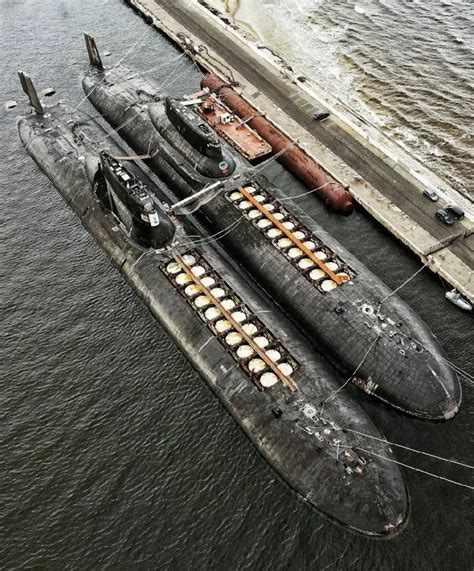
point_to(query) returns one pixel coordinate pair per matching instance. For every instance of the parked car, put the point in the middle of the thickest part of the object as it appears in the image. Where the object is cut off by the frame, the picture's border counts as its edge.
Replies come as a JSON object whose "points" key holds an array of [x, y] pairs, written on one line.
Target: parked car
{"points": [[456, 211], [445, 216], [320, 115], [431, 194]]}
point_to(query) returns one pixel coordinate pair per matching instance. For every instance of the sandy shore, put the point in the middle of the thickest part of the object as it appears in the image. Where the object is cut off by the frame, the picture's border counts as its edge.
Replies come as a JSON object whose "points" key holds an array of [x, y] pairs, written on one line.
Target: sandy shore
{"points": [[247, 15]]}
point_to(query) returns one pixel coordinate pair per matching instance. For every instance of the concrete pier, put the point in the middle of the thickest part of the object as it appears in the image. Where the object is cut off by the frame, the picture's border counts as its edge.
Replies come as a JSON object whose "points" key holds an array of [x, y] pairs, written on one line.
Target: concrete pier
{"points": [[383, 177]]}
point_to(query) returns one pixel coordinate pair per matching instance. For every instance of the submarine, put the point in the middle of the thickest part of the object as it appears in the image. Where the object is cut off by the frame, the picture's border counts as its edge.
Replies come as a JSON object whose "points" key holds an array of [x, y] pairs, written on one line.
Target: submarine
{"points": [[255, 361], [371, 335]]}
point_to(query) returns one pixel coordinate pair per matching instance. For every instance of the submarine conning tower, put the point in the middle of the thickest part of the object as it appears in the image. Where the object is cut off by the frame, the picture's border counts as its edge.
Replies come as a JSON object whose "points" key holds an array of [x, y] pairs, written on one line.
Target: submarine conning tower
{"points": [[186, 132], [193, 129], [130, 200]]}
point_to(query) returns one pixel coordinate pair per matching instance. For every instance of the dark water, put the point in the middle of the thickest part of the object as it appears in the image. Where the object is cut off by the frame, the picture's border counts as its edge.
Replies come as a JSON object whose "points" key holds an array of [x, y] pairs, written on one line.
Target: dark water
{"points": [[113, 453]]}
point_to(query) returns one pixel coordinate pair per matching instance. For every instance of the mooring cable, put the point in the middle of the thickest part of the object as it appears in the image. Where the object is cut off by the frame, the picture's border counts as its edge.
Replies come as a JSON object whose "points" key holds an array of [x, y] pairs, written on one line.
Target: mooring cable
{"points": [[456, 368], [404, 283], [166, 63], [269, 161], [289, 198], [349, 379], [213, 238], [416, 469], [384, 440]]}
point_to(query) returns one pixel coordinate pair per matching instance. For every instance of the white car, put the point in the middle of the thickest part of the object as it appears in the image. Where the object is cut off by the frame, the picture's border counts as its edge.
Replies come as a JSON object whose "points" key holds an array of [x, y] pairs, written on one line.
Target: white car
{"points": [[431, 194]]}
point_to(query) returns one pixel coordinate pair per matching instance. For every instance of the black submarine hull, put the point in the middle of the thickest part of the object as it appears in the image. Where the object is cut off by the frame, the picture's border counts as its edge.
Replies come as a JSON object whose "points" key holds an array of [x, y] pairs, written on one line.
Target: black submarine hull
{"points": [[303, 447], [395, 356]]}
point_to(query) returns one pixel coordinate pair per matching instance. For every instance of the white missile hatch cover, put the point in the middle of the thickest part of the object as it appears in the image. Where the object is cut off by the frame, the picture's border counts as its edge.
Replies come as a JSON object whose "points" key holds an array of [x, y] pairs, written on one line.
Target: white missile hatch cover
{"points": [[239, 330], [272, 220]]}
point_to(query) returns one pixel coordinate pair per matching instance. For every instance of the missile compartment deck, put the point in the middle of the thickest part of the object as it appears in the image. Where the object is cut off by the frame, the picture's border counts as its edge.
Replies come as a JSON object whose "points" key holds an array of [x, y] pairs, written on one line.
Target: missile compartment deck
{"points": [[396, 357], [315, 453]]}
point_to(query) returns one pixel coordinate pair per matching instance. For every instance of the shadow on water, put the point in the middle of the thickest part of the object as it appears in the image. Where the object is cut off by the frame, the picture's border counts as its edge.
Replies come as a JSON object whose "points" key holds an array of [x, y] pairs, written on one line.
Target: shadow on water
{"points": [[112, 450]]}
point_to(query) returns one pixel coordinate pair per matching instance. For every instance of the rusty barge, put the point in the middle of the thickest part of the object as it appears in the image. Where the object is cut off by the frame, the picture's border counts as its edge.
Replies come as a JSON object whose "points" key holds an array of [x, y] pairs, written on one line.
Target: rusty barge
{"points": [[292, 157]]}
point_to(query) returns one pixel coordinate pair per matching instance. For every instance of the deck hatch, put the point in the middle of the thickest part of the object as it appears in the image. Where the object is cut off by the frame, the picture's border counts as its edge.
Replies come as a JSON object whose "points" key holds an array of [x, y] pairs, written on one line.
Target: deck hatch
{"points": [[262, 356], [316, 261]]}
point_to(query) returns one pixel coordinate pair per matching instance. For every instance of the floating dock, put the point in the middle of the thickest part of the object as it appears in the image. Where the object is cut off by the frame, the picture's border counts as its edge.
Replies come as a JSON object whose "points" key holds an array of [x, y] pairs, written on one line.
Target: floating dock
{"points": [[382, 177]]}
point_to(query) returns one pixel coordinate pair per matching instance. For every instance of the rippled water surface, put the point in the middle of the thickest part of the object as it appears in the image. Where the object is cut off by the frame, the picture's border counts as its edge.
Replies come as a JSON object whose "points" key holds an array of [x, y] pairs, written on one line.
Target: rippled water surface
{"points": [[406, 65], [113, 452]]}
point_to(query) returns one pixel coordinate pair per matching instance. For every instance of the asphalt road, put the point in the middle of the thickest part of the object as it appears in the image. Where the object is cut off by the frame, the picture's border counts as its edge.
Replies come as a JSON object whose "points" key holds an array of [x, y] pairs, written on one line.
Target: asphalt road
{"points": [[361, 159]]}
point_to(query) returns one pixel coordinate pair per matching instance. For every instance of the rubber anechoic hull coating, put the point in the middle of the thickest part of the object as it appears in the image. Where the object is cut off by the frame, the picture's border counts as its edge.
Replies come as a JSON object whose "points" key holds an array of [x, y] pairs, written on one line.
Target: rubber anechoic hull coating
{"points": [[308, 452], [396, 357]]}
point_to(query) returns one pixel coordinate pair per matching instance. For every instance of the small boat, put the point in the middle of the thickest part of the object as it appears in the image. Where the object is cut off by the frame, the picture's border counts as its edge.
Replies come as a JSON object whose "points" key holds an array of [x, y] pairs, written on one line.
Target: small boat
{"points": [[455, 297]]}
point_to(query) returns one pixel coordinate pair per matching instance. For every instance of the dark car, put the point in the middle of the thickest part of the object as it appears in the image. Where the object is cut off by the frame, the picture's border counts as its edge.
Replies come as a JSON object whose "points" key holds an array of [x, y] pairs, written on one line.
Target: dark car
{"points": [[320, 115], [445, 216], [456, 211], [431, 194]]}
